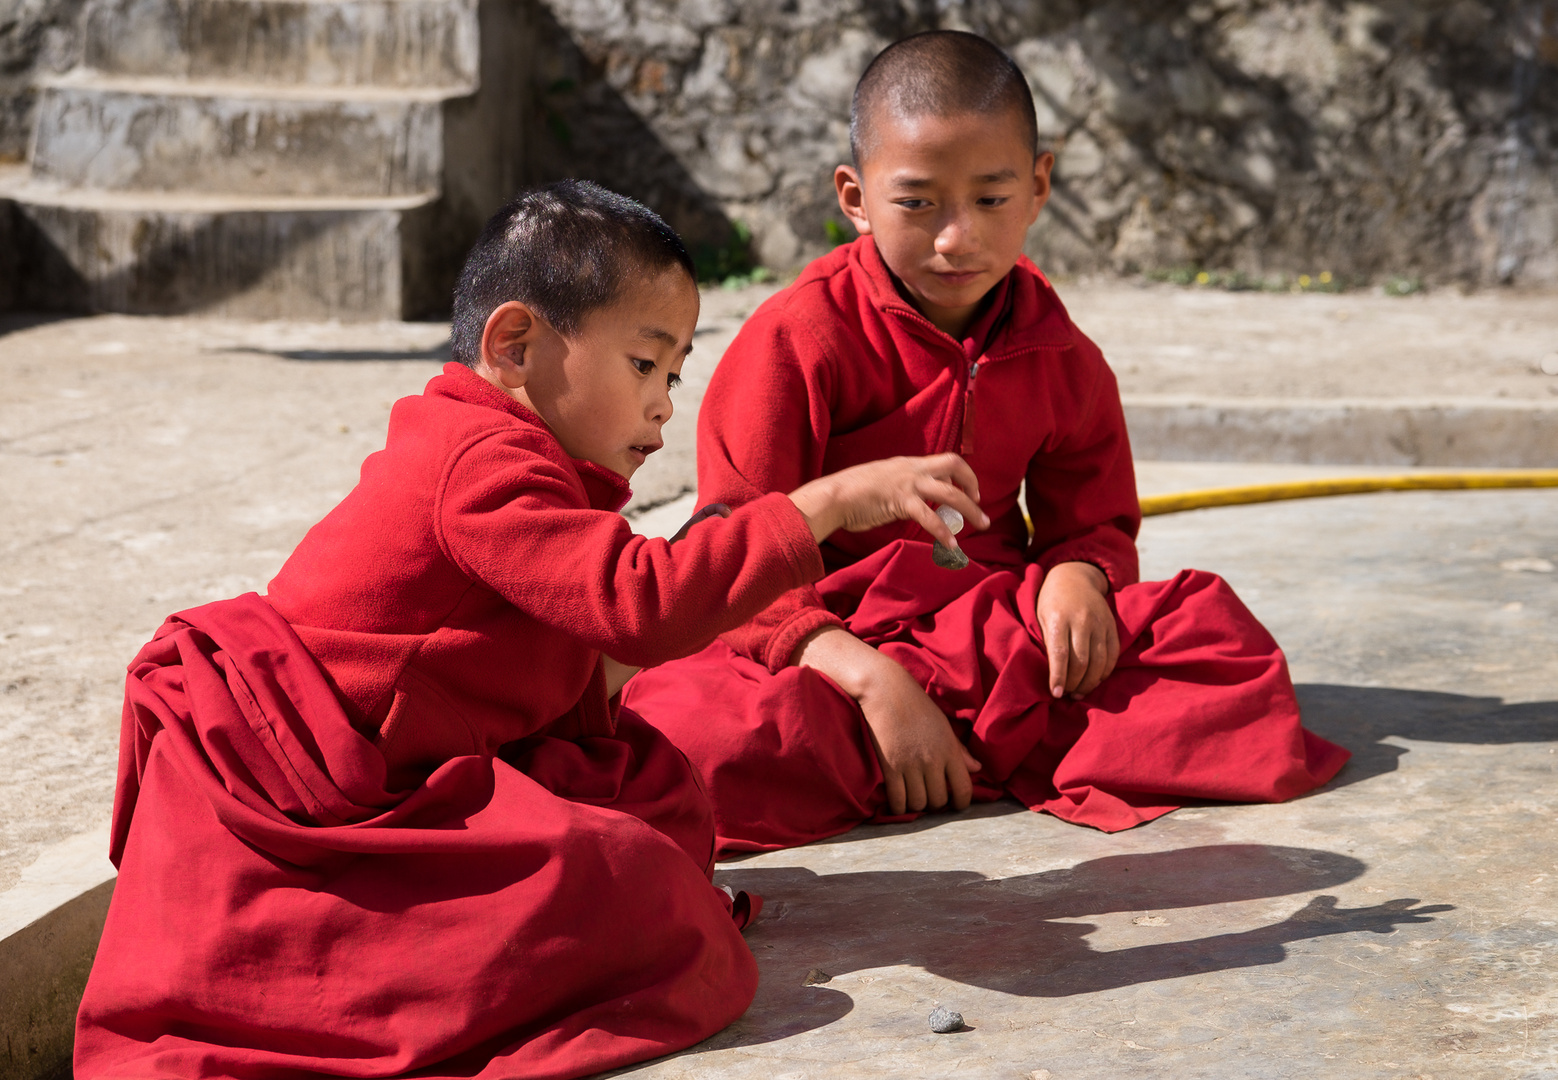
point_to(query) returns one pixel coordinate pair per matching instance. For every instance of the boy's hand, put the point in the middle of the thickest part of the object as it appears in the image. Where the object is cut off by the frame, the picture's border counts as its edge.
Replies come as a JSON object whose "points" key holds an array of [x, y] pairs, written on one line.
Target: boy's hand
{"points": [[1079, 630], [894, 489], [923, 764]]}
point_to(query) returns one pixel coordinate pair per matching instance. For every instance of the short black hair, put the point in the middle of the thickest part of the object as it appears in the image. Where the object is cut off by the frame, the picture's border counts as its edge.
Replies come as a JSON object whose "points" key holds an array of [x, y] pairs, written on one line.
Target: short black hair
{"points": [[564, 249], [941, 73]]}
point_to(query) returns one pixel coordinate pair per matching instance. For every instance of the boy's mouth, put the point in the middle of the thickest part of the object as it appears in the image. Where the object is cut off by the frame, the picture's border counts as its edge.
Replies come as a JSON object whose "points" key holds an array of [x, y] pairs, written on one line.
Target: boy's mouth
{"points": [[642, 451], [957, 277]]}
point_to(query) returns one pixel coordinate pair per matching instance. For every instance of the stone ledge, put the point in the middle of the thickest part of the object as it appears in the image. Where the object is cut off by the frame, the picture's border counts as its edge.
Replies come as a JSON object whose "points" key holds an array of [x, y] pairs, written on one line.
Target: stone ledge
{"points": [[50, 922], [1492, 432]]}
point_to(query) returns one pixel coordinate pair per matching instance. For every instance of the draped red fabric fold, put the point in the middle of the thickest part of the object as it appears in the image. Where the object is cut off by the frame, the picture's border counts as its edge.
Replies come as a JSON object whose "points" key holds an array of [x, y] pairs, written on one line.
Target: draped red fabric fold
{"points": [[1199, 707], [281, 912]]}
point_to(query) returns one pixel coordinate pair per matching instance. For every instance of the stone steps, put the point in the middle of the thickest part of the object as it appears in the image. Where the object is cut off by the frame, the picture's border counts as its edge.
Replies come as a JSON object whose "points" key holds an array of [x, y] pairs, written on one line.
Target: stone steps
{"points": [[130, 134], [165, 253], [379, 43], [267, 158]]}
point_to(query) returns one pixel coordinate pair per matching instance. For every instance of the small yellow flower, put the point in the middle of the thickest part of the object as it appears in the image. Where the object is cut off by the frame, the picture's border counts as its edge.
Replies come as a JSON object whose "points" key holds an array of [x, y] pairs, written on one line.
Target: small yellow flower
{"points": [[1203, 277], [1303, 281], [1325, 277]]}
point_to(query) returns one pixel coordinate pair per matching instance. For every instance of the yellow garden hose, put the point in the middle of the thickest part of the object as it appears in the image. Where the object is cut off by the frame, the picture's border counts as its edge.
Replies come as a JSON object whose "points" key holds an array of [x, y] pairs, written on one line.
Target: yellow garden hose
{"points": [[1153, 505]]}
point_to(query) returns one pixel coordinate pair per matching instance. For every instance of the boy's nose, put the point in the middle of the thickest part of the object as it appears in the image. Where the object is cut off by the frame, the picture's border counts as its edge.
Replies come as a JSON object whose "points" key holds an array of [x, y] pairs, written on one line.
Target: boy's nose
{"points": [[955, 236]]}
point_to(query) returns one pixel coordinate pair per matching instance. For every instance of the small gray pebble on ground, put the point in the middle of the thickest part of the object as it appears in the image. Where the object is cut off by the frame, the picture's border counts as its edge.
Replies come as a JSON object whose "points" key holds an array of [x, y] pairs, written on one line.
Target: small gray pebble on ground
{"points": [[944, 1021], [815, 976]]}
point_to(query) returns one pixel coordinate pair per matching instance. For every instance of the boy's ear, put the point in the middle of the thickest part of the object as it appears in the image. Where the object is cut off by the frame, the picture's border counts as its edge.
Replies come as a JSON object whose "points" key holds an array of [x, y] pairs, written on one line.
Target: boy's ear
{"points": [[511, 329], [852, 198], [1042, 166]]}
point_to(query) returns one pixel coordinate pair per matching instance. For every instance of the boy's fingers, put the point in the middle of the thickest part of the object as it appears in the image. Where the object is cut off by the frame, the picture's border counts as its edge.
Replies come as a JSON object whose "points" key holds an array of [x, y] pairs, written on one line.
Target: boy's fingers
{"points": [[935, 780], [969, 761], [913, 792], [945, 494], [959, 785], [959, 472], [1097, 666], [930, 521], [944, 489], [1059, 658], [1111, 652], [895, 794], [1081, 657]]}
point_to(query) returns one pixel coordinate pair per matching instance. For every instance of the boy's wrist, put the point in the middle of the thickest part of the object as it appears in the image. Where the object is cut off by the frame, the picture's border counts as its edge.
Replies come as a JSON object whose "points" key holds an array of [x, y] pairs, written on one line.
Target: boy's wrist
{"points": [[818, 504], [842, 657], [1086, 571]]}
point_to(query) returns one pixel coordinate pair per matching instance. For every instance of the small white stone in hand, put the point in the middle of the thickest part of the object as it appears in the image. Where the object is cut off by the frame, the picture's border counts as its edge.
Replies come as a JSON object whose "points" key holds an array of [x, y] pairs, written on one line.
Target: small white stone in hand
{"points": [[940, 554]]}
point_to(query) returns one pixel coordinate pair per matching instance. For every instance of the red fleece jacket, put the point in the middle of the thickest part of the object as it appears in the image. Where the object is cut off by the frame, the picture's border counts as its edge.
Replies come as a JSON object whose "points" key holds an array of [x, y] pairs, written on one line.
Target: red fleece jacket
{"points": [[461, 596], [839, 369]]}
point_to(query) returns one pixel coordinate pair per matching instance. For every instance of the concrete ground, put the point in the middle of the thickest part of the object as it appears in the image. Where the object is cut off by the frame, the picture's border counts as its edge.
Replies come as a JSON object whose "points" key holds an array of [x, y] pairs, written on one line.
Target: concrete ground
{"points": [[154, 464], [1403, 921]]}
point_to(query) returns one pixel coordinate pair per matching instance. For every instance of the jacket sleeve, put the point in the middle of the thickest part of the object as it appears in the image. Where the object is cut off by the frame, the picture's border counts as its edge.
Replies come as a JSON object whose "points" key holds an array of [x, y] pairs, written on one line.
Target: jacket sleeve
{"points": [[1081, 491], [762, 428], [511, 518]]}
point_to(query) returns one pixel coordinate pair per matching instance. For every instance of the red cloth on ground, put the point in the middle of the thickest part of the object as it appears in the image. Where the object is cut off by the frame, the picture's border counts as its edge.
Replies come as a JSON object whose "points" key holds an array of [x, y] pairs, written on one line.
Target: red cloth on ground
{"points": [[388, 821], [1201, 705], [281, 913]]}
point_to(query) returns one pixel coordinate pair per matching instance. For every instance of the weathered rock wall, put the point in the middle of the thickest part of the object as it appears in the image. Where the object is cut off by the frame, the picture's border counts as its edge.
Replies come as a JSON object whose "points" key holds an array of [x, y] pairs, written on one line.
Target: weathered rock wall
{"points": [[37, 37], [1401, 137], [1410, 137]]}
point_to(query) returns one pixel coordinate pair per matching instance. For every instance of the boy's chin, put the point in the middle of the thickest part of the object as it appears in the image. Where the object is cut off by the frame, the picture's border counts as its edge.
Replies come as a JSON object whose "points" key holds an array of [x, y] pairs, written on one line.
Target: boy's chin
{"points": [[624, 469], [934, 292]]}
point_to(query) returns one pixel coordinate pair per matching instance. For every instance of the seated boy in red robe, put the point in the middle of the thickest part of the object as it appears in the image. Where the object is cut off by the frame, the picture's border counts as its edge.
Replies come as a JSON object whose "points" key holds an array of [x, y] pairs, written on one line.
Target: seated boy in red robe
{"points": [[390, 818], [1044, 671]]}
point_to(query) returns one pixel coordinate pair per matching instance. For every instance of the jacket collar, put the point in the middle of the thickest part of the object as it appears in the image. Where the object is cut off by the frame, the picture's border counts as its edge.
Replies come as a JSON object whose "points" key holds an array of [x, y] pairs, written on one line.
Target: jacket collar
{"points": [[604, 488], [1023, 312]]}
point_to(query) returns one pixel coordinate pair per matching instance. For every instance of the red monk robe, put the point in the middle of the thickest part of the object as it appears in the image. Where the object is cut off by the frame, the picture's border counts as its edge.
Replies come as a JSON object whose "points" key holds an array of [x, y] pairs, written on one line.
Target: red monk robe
{"points": [[839, 369], [386, 821]]}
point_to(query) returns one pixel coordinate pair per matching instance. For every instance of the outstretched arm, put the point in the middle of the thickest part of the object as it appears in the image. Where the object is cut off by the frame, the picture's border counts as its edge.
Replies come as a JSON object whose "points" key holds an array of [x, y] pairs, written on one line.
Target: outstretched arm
{"points": [[510, 518]]}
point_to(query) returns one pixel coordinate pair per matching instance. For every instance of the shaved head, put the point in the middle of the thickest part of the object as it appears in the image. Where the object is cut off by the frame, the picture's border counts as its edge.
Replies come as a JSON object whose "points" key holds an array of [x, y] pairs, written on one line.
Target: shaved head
{"points": [[937, 73]]}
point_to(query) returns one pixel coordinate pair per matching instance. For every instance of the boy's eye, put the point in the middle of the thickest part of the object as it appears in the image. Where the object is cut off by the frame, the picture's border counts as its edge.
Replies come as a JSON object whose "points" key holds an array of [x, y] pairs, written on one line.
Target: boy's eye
{"points": [[913, 204], [673, 380], [643, 367], [994, 200]]}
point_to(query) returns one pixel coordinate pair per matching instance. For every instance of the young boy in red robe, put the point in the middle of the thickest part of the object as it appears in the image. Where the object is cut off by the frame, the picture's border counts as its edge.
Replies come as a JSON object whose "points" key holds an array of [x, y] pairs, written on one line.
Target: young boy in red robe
{"points": [[390, 818], [1045, 670]]}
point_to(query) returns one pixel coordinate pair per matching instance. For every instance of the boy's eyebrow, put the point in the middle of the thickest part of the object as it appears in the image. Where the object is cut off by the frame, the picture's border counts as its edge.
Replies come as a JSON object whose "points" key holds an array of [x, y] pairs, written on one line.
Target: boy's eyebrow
{"points": [[656, 333], [915, 182]]}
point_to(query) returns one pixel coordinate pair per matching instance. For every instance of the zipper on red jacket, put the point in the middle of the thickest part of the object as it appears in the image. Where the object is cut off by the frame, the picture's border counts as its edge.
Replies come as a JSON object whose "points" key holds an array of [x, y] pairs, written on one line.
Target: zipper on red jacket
{"points": [[966, 446]]}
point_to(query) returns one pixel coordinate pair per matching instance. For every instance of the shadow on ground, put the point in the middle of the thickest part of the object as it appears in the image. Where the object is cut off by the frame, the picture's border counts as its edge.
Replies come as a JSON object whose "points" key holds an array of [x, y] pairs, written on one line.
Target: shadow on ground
{"points": [[12, 323], [1360, 717], [1004, 934], [438, 352]]}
